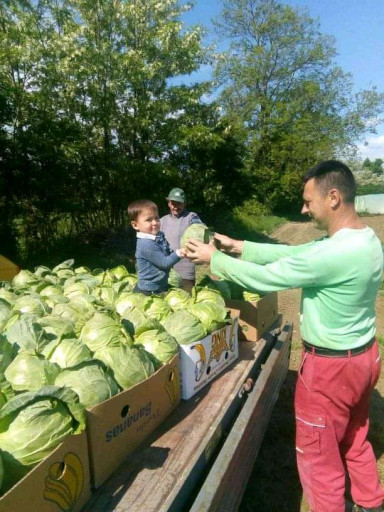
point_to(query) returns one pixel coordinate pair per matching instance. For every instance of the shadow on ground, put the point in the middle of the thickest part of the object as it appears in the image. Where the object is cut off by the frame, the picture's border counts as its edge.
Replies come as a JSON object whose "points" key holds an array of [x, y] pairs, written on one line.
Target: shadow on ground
{"points": [[274, 484]]}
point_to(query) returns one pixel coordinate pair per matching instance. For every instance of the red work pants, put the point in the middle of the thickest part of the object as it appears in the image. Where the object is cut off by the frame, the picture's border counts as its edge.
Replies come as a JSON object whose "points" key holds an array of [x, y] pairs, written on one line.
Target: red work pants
{"points": [[331, 407]]}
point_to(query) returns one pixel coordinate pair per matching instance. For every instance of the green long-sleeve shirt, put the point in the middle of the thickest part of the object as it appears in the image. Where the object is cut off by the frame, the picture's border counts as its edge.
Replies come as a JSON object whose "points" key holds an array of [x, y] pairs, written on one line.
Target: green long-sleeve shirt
{"points": [[339, 276]]}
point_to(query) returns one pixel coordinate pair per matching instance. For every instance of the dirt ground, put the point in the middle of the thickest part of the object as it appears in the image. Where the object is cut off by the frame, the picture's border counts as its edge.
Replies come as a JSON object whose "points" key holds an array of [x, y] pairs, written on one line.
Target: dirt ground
{"points": [[274, 484]]}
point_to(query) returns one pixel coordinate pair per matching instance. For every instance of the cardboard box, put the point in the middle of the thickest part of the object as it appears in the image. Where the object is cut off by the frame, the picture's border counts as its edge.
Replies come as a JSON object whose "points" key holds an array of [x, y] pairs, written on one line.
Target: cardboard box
{"points": [[254, 317], [8, 270], [119, 425], [202, 361], [61, 482]]}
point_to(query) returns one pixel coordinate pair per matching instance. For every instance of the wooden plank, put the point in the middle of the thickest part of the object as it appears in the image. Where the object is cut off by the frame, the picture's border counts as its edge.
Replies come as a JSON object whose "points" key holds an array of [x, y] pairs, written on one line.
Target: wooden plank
{"points": [[160, 476], [224, 486]]}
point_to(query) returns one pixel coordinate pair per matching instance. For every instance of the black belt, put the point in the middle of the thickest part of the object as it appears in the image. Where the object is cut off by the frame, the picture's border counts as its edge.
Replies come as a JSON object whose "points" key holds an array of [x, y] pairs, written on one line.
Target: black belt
{"points": [[329, 352]]}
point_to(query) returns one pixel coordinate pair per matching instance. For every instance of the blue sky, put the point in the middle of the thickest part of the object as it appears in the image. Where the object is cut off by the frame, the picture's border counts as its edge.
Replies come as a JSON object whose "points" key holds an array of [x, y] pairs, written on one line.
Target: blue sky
{"points": [[357, 26]]}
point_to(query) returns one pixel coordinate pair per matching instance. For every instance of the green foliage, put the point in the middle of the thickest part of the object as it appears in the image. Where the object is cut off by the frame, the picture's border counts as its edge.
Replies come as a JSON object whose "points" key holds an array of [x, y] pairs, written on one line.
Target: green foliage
{"points": [[370, 188], [92, 116], [280, 85], [252, 221], [376, 166], [95, 112]]}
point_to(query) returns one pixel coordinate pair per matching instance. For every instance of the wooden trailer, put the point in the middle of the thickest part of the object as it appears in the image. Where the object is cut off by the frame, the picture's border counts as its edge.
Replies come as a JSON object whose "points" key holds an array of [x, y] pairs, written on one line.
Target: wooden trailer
{"points": [[200, 459]]}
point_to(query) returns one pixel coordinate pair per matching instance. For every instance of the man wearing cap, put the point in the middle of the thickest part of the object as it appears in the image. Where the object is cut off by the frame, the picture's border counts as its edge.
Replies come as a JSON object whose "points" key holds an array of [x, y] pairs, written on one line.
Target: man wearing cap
{"points": [[173, 225]]}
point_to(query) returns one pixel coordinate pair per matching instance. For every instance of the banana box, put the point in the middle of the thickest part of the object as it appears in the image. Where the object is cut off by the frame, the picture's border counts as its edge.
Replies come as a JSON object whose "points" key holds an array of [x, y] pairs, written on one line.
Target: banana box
{"points": [[202, 361], [61, 482], [8, 270], [255, 318], [119, 425]]}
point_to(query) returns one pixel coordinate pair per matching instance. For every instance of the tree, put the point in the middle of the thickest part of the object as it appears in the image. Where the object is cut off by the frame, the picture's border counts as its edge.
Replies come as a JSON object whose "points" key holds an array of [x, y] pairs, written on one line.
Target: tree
{"points": [[93, 114], [375, 167], [279, 81]]}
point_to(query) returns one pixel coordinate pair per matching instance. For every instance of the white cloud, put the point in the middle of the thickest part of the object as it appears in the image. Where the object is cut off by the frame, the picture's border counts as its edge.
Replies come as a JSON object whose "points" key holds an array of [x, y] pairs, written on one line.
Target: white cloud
{"points": [[373, 149]]}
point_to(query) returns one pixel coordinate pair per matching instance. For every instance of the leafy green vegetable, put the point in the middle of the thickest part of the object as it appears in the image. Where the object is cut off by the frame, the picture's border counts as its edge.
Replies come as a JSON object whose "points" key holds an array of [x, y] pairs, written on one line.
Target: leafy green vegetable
{"points": [[129, 299], [78, 312], [32, 303], [1, 470], [7, 353], [210, 314], [30, 371], [222, 286], [90, 380], [198, 231], [184, 327], [174, 279], [5, 313], [32, 425], [24, 279], [76, 288], [101, 331], [130, 364], [26, 334], [57, 326], [208, 294], [6, 391], [158, 342], [178, 298], [67, 352], [158, 308], [8, 295], [251, 296]]}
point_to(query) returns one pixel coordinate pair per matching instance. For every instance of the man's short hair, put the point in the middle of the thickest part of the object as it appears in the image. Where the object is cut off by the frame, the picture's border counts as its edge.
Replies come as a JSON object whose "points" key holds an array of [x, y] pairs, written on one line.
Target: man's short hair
{"points": [[135, 208], [333, 174]]}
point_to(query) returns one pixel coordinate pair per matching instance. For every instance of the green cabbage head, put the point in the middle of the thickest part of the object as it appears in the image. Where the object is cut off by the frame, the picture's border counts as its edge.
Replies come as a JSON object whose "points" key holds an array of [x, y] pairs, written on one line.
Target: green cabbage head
{"points": [[30, 371], [1, 471], [5, 313], [90, 380], [101, 331], [184, 327], [178, 298], [158, 342], [67, 352], [196, 231], [32, 425], [7, 353], [130, 364], [210, 314]]}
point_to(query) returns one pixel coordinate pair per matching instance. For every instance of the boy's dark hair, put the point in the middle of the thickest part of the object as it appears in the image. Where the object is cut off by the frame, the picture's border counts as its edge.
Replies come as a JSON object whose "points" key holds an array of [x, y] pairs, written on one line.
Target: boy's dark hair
{"points": [[333, 174], [135, 208]]}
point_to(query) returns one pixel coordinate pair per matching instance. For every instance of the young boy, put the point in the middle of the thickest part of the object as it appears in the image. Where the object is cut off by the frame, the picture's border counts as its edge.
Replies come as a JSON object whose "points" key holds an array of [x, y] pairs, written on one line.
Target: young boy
{"points": [[154, 257]]}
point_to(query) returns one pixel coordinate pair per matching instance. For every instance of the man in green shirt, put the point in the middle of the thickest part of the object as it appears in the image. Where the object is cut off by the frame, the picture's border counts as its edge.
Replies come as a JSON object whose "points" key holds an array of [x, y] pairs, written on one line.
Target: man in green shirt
{"points": [[340, 276]]}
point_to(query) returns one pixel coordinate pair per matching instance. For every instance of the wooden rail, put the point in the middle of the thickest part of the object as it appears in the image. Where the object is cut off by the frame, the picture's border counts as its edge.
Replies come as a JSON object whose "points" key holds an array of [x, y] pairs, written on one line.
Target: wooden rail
{"points": [[224, 486]]}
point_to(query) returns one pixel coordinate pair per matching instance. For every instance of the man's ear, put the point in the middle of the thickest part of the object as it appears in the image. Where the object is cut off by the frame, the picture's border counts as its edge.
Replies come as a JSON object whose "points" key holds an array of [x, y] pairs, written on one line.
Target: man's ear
{"points": [[134, 225], [334, 198]]}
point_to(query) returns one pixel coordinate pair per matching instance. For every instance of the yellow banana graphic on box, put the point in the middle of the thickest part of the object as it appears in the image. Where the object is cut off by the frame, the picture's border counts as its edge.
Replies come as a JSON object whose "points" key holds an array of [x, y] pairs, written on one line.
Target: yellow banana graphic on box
{"points": [[65, 481], [200, 364], [172, 386]]}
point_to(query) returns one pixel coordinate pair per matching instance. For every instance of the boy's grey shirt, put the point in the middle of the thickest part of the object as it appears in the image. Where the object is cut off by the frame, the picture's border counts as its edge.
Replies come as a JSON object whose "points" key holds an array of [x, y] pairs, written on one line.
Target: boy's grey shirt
{"points": [[174, 227], [154, 258]]}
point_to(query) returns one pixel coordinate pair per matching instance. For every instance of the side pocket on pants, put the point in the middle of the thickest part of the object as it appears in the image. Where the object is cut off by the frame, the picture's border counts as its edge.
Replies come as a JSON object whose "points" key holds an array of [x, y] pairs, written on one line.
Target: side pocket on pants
{"points": [[310, 427], [300, 372]]}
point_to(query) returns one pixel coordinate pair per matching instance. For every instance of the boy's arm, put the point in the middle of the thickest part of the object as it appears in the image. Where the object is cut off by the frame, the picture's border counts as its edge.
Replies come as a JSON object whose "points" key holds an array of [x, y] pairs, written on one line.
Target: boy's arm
{"points": [[195, 219], [154, 254]]}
